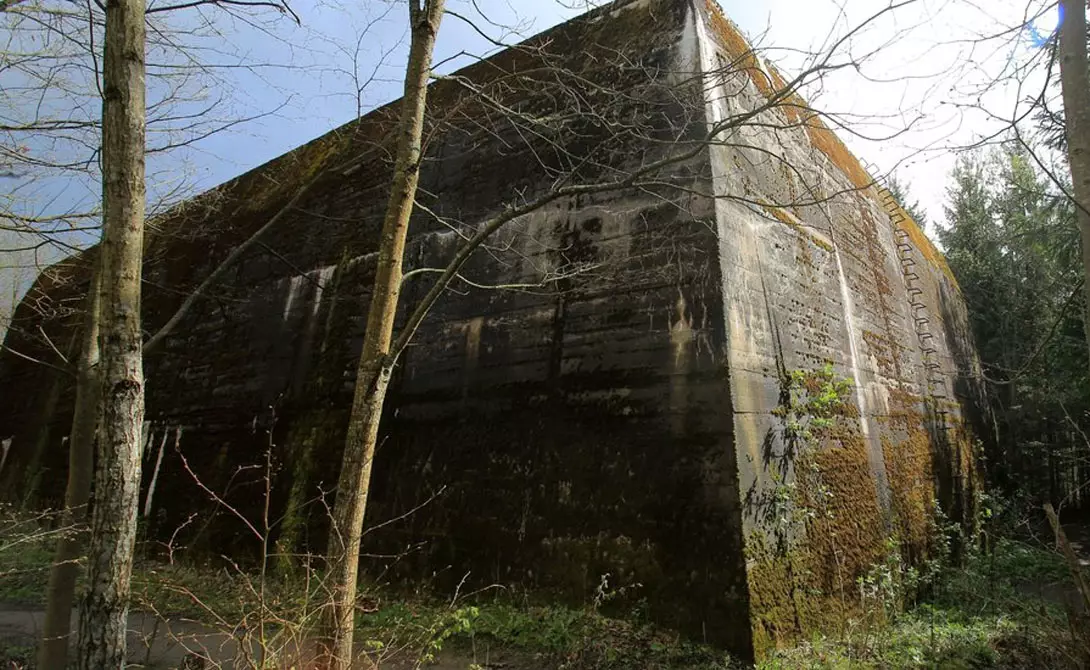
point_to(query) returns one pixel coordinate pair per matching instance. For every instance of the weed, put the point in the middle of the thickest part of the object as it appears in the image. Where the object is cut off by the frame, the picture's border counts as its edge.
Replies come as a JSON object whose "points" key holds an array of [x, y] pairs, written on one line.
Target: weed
{"points": [[15, 653], [980, 615]]}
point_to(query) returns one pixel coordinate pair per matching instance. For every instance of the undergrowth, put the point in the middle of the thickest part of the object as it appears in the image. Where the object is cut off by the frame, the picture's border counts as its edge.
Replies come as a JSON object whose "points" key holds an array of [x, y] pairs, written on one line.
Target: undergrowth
{"points": [[1004, 608]]}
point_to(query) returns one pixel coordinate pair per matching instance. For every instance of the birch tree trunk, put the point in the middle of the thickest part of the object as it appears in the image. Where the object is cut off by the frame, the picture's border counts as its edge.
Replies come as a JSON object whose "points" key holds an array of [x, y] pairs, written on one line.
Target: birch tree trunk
{"points": [[1075, 81], [375, 366], [61, 591], [104, 610]]}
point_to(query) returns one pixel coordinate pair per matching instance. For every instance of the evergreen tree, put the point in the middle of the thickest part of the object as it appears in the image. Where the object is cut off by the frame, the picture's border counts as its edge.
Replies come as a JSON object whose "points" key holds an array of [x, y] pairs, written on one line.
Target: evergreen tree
{"points": [[1012, 243]]}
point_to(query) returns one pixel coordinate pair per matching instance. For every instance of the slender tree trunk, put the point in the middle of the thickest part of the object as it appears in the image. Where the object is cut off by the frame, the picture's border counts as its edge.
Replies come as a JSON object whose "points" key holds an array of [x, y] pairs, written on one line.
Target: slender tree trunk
{"points": [[61, 591], [373, 372], [1075, 81], [1072, 560], [104, 610]]}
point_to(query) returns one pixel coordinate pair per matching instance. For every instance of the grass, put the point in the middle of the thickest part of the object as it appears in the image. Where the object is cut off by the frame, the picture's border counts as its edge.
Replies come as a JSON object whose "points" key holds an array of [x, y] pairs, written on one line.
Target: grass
{"points": [[561, 636], [991, 613], [1001, 610], [26, 550]]}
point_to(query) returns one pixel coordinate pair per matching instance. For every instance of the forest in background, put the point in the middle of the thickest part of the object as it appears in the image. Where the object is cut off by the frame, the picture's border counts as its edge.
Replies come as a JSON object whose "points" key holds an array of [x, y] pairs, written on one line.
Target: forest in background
{"points": [[1010, 237], [1007, 596]]}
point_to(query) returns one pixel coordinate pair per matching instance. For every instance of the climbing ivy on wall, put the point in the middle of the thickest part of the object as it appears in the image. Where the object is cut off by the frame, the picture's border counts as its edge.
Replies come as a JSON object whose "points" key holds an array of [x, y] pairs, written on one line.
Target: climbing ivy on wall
{"points": [[801, 566], [811, 401]]}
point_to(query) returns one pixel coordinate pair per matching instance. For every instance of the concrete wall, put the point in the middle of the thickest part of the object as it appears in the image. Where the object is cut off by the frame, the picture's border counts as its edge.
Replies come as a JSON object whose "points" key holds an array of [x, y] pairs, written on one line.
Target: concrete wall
{"points": [[826, 279], [607, 393]]}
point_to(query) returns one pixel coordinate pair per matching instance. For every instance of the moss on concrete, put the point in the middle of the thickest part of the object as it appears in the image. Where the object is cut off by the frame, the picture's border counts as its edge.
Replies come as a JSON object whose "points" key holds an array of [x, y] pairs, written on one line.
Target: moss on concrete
{"points": [[907, 450], [802, 579]]}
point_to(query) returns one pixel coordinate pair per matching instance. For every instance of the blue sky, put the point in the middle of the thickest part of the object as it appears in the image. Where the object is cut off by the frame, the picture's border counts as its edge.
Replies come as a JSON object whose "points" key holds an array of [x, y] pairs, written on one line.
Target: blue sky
{"points": [[323, 101], [300, 76], [906, 85]]}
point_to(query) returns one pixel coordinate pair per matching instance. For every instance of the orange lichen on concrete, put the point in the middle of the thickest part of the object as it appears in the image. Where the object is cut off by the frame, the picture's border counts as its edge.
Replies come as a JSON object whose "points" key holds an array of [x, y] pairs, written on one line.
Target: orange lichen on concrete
{"points": [[768, 81], [793, 105], [884, 350], [919, 239], [787, 217], [849, 535], [826, 141], [780, 214], [774, 600], [965, 476], [738, 48]]}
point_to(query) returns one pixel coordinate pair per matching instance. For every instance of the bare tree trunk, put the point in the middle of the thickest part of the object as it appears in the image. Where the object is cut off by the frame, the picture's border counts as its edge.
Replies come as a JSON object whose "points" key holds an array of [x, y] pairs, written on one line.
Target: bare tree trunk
{"points": [[1068, 552], [375, 365], [1075, 81], [104, 610], [61, 592]]}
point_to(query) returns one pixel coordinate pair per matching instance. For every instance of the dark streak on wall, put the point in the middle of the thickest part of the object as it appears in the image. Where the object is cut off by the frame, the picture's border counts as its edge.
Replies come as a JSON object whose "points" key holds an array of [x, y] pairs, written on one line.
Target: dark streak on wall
{"points": [[603, 416]]}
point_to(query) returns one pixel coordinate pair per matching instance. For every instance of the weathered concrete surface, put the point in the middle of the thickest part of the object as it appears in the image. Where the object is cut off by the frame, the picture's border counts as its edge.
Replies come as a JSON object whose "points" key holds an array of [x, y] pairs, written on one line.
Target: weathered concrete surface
{"points": [[616, 400], [842, 278]]}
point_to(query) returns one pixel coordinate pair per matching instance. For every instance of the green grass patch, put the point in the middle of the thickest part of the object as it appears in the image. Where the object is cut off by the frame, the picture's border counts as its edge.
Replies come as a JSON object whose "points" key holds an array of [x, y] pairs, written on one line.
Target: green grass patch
{"points": [[1003, 609], [26, 552], [571, 637]]}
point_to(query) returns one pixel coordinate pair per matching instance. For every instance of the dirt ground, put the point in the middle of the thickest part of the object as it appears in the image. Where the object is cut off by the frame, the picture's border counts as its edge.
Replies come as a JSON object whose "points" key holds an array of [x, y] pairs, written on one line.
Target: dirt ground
{"points": [[165, 645]]}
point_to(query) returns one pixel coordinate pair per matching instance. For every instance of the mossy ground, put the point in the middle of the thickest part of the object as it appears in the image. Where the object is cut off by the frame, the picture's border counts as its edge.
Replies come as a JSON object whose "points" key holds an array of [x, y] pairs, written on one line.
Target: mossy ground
{"points": [[1003, 609], [999, 611]]}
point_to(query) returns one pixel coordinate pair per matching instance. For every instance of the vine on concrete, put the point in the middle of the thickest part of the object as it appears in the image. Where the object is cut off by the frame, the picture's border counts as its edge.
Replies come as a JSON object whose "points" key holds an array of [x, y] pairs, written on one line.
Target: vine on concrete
{"points": [[810, 403]]}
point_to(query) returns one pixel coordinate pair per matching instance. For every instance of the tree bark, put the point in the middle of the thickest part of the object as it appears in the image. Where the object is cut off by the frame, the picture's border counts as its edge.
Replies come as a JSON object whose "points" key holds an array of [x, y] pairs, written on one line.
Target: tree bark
{"points": [[104, 610], [1068, 552], [61, 591], [1075, 82], [375, 366]]}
